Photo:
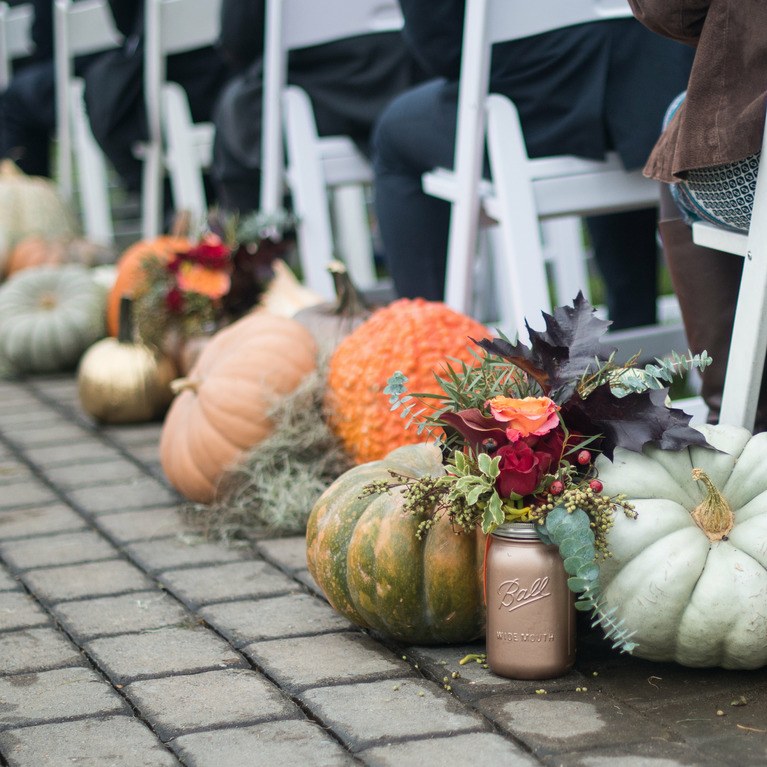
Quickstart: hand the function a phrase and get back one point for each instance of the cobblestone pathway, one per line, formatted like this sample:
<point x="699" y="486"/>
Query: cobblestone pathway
<point x="125" y="639"/>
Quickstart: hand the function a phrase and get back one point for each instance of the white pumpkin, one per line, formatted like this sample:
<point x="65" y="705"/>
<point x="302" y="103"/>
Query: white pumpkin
<point x="689" y="574"/>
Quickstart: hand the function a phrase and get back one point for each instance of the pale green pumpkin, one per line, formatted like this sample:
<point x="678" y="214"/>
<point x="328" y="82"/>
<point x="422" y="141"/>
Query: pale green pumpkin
<point x="689" y="574"/>
<point x="49" y="317"/>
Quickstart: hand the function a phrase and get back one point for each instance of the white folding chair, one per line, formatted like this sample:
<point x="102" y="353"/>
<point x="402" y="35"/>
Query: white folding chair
<point x="317" y="166"/>
<point x="524" y="192"/>
<point x="81" y="28"/>
<point x="176" y="144"/>
<point x="15" y="37"/>
<point x="748" y="347"/>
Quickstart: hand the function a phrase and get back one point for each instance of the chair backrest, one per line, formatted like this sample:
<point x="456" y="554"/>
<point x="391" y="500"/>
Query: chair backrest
<point x="80" y="28"/>
<point x="294" y="24"/>
<point x="15" y="37"/>
<point x="487" y="22"/>
<point x="171" y="26"/>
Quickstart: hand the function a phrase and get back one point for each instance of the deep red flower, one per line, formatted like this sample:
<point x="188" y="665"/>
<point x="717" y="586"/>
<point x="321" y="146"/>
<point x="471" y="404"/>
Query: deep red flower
<point x="174" y="300"/>
<point x="481" y="432"/>
<point x="210" y="252"/>
<point x="521" y="469"/>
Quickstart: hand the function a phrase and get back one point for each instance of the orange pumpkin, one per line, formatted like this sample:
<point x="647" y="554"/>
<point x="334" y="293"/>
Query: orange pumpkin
<point x="221" y="410"/>
<point x="412" y="335"/>
<point x="130" y="272"/>
<point x="37" y="250"/>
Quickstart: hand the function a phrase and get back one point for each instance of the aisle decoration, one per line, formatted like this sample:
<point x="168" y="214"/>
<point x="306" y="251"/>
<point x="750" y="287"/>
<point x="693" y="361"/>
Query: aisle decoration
<point x="48" y="317"/>
<point x="518" y="431"/>
<point x="689" y="575"/>
<point x="29" y="205"/>
<point x="122" y="380"/>
<point x="414" y="335"/>
<point x="221" y="408"/>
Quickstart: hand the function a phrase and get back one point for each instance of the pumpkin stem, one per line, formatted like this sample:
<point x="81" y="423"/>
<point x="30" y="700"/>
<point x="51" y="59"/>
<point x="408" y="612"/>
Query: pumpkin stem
<point x="182" y="224"/>
<point x="349" y="301"/>
<point x="713" y="515"/>
<point x="184" y="384"/>
<point x="125" y="323"/>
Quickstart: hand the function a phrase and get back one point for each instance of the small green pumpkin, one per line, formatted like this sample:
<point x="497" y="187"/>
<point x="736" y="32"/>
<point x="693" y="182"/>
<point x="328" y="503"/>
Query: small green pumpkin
<point x="49" y="317"/>
<point x="689" y="574"/>
<point x="364" y="554"/>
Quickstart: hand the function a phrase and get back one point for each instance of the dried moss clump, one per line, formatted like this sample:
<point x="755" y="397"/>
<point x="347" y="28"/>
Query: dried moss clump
<point x="273" y="489"/>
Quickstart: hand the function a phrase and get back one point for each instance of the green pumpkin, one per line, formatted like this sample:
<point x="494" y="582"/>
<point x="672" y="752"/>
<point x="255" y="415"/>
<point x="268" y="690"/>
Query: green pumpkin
<point x="364" y="554"/>
<point x="48" y="317"/>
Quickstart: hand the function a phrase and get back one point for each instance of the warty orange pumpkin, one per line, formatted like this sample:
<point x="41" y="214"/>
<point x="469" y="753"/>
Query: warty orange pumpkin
<point x="415" y="336"/>
<point x="222" y="407"/>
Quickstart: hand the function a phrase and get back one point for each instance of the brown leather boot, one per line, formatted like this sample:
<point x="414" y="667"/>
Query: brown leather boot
<point x="706" y="283"/>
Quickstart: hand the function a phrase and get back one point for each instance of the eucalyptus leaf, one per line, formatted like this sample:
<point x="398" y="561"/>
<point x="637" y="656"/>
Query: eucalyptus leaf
<point x="589" y="571"/>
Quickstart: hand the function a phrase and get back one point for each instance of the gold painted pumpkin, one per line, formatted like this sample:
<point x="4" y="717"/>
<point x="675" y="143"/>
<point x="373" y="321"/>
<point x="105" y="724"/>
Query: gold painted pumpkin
<point x="414" y="336"/>
<point x="221" y="409"/>
<point x="121" y="380"/>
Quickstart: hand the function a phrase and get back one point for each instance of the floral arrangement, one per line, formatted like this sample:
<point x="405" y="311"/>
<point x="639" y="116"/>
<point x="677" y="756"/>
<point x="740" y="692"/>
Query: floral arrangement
<point x="212" y="282"/>
<point x="520" y="431"/>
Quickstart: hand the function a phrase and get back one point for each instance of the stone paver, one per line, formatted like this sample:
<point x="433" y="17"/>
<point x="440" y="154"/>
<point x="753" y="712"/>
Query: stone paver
<point x="55" y="695"/>
<point x="8" y="582"/>
<point x="57" y="584"/>
<point x="93" y="473"/>
<point x="19" y="611"/>
<point x="17" y="494"/>
<point x="276" y="743"/>
<point x="127" y="613"/>
<point x="162" y="653"/>
<point x="456" y="751"/>
<point x="276" y="617"/>
<point x="203" y="585"/>
<point x="117" y="741"/>
<point x="39" y="521"/>
<point x="289" y="552"/>
<point x="130" y="526"/>
<point x="315" y="661"/>
<point x="182" y="551"/>
<point x="46" y="434"/>
<point x="121" y="626"/>
<point x="64" y="549"/>
<point x="81" y="453"/>
<point x="12" y="471"/>
<point x="376" y="712"/>
<point x="135" y="494"/>
<point x="37" y="649"/>
<point x="212" y="699"/>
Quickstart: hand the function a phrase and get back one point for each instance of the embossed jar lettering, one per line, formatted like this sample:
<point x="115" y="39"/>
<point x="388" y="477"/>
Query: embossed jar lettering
<point x="530" y="610"/>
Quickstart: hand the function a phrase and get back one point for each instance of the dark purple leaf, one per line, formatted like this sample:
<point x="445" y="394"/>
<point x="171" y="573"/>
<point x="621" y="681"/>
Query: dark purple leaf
<point x="632" y="421"/>
<point x="559" y="356"/>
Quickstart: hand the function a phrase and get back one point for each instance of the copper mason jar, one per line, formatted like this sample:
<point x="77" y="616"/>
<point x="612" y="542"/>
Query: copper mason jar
<point x="530" y="610"/>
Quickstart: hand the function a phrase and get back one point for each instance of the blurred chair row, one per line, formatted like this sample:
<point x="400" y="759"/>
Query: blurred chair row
<point x="327" y="177"/>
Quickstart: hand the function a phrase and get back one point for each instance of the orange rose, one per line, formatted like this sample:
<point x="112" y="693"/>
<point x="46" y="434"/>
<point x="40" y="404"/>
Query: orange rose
<point x="213" y="283"/>
<point x="524" y="417"/>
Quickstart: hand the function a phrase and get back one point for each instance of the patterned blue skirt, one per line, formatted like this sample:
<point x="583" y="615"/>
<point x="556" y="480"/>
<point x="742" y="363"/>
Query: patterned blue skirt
<point x="721" y="194"/>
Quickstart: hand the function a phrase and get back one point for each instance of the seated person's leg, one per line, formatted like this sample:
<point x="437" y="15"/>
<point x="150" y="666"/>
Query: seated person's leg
<point x="28" y="118"/>
<point x="626" y="255"/>
<point x="415" y="134"/>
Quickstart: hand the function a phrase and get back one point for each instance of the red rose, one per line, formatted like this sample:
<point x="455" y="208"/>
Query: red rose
<point x="549" y="449"/>
<point x="210" y="252"/>
<point x="174" y="300"/>
<point x="521" y="469"/>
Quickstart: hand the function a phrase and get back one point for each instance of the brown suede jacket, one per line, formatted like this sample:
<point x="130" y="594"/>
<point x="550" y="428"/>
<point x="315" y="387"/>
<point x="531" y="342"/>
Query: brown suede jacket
<point x="723" y="116"/>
